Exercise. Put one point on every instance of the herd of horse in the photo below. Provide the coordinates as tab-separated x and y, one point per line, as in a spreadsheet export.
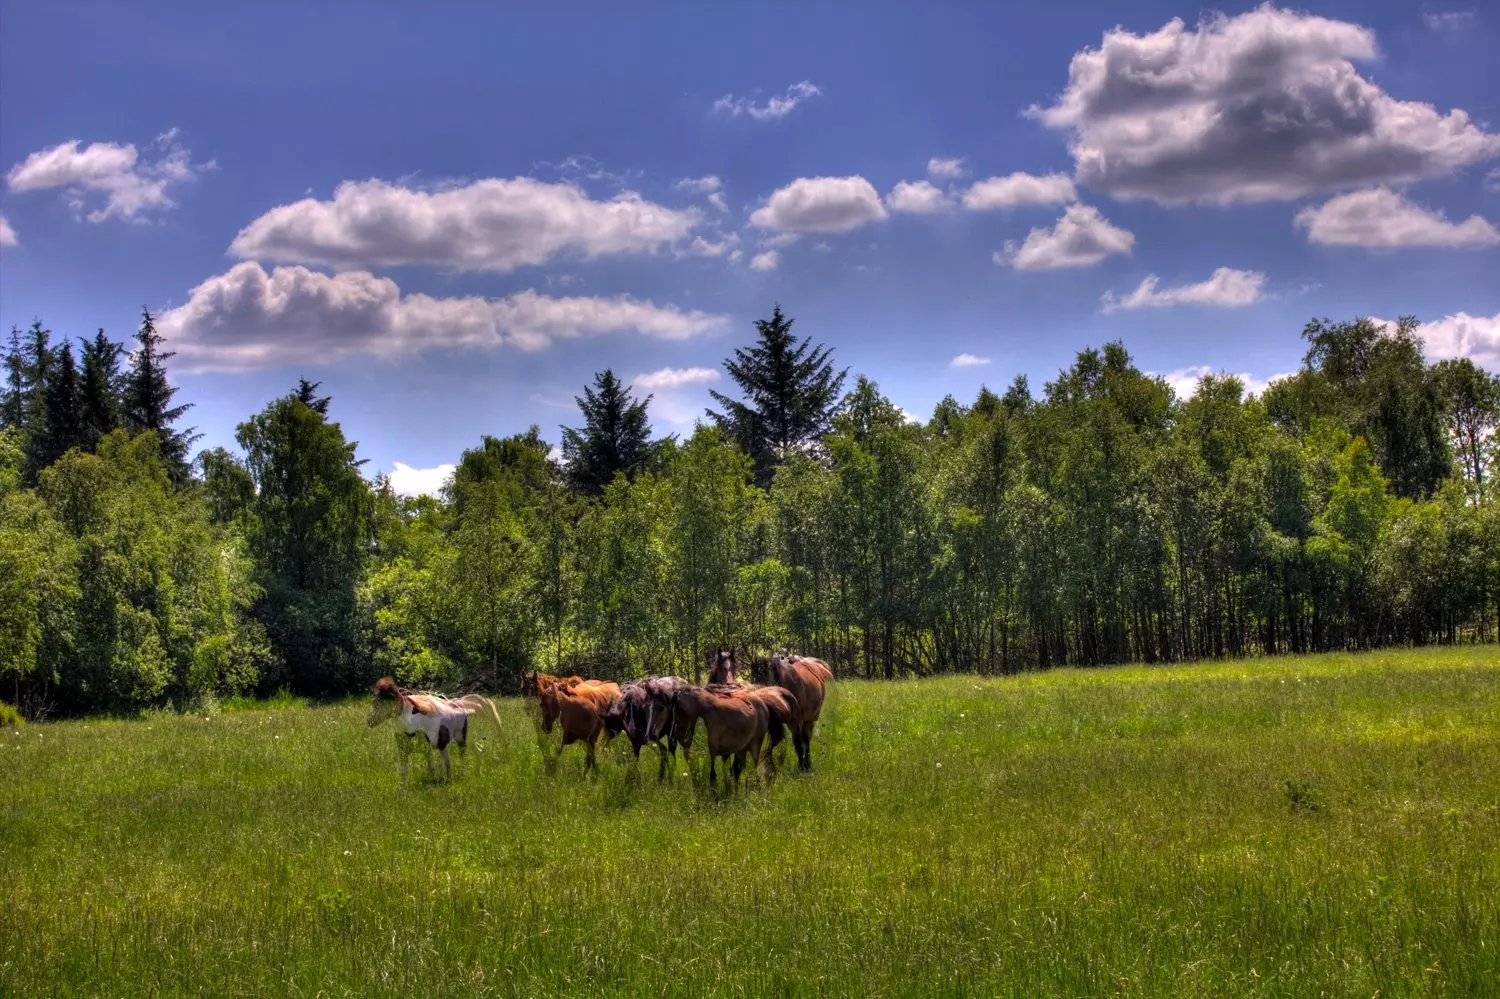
741	721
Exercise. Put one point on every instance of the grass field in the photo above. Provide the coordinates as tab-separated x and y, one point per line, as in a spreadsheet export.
1300	827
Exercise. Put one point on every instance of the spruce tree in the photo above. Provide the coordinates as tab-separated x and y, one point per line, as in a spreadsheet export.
99	402
790	393
37	360
613	438
307	394
13	402
64	430
147	398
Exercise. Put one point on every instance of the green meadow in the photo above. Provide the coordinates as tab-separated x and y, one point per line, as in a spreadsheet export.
1326	825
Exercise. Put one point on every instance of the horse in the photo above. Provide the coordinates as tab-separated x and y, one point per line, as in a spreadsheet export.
644	714
805	678
581	709
722	667
735	720
442	720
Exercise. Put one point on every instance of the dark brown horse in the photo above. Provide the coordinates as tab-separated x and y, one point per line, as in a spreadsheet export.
581	709
721	666
644	714
804	677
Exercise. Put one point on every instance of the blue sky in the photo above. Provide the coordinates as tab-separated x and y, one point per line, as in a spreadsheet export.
454	218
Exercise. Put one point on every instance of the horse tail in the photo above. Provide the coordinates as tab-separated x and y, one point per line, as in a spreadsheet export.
469	699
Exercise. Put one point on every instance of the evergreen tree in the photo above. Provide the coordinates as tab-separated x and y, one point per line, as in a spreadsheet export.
13	401
64	428
99	402
307	394
790	393
613	439
147	398
37	361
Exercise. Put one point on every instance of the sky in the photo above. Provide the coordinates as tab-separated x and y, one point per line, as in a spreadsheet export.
453	217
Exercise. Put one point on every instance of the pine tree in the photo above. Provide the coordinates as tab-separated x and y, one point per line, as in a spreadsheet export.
13	402
790	390
99	402
307	394
147	398
613	439
37	360
64	428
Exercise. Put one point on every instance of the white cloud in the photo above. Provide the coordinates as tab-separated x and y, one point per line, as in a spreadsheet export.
968	361
916	198
7	234
1492	180
1081	238
408	481
1019	189
1452	20
714	248
130	186
491	224
776	108
820	204
1226	288
1379	217
1463	335
946	169
768	261
246	319
1263	106
675	378
1184	381
717	200
699	185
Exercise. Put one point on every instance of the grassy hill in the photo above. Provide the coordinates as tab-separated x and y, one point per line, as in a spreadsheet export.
1317	826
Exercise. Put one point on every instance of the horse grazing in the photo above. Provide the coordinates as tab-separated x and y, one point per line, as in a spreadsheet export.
804	677
735	720
442	720
581	709
644	714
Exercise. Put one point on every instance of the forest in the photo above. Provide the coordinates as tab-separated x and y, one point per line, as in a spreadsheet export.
1102	520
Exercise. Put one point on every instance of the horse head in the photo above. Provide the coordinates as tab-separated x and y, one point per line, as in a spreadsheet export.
386	703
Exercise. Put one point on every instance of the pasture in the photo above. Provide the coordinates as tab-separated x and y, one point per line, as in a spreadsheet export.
1317	826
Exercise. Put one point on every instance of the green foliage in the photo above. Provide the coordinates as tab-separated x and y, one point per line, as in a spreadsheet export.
10	717
146	398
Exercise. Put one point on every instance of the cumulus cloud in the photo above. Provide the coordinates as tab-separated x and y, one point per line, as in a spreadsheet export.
1184	381
1226	288
768	261
916	198
775	109
246	319
699	185
490	225
968	361
7	234
820	204
675	378
714	247
130	185
1081	238
1463	335
1264	106
1379	217
946	169
1019	189
408	481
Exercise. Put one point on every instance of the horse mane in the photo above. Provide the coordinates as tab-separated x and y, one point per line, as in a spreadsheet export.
386	689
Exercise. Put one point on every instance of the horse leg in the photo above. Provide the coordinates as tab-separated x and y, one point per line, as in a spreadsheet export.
739	767
589	763
447	763
661	774
403	751
430	771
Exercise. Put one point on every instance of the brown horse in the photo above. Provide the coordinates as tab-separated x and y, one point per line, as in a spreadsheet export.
581	709
804	677
722	667
644	714
735	720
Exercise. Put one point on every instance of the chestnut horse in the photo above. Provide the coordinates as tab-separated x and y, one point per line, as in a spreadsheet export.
581	709
442	720
804	677
722	667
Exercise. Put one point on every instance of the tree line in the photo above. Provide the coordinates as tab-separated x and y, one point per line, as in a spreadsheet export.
1102	521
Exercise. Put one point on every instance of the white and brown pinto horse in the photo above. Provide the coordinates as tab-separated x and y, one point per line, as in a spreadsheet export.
441	719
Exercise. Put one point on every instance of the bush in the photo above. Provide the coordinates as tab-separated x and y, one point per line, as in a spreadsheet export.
10	717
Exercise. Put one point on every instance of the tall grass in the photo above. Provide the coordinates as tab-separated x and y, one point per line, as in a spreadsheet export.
1299	827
